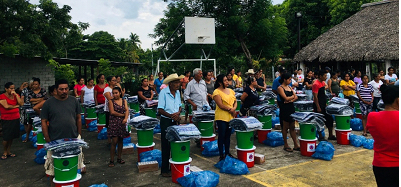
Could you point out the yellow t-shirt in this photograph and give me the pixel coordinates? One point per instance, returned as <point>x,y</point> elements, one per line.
<point>228,100</point>
<point>349,83</point>
<point>235,77</point>
<point>240,82</point>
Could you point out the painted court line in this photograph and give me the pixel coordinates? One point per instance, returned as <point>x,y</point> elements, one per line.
<point>252,178</point>
<point>211,161</point>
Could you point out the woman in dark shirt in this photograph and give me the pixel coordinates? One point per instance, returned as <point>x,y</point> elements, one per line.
<point>231,82</point>
<point>261,85</point>
<point>308,82</point>
<point>144,93</point>
<point>250,96</point>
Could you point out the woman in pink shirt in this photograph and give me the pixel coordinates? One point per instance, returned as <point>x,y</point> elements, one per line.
<point>78,87</point>
<point>384,128</point>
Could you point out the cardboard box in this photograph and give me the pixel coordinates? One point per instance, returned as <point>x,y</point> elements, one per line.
<point>259,158</point>
<point>148,166</point>
<point>128,150</point>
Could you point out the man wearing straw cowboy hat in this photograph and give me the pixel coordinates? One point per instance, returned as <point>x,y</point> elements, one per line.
<point>169,107</point>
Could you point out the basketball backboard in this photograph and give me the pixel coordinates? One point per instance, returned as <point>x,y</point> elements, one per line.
<point>199,30</point>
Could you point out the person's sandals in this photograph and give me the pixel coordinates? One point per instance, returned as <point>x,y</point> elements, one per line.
<point>296,149</point>
<point>364,134</point>
<point>111,164</point>
<point>287,149</point>
<point>24,141</point>
<point>83,170</point>
<point>322,139</point>
<point>230,155</point>
<point>120,161</point>
<point>3,157</point>
<point>332,138</point>
<point>12,155</point>
<point>221,158</point>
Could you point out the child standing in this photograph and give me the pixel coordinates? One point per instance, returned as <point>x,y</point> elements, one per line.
<point>117,126</point>
<point>365,94</point>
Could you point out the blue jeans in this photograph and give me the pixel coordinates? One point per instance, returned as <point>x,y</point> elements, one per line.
<point>224,132</point>
<point>309,94</point>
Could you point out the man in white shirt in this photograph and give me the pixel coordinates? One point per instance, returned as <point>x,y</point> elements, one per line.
<point>196,91</point>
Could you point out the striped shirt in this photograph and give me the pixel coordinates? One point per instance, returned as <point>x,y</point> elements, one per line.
<point>365,93</point>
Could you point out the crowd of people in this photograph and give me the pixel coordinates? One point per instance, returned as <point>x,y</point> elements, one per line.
<point>60,113</point>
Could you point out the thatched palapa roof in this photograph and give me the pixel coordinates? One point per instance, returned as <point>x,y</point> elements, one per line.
<point>369,35</point>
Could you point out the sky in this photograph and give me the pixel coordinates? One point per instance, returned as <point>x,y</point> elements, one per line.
<point>119,17</point>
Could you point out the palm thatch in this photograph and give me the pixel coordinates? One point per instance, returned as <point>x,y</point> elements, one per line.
<point>369,35</point>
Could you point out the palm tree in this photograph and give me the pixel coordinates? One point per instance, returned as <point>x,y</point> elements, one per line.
<point>134,39</point>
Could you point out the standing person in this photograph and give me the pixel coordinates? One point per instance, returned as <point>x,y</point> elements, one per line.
<point>144,94</point>
<point>158,82</point>
<point>239,80</point>
<point>196,92</point>
<point>61,118</point>
<point>78,87</point>
<point>231,81</point>
<point>348,86</point>
<point>119,111</point>
<point>358,78</point>
<point>352,74</point>
<point>249,73</point>
<point>390,78</point>
<point>376,83</point>
<point>334,85</point>
<point>108,96</point>
<point>184,81</point>
<point>365,95</point>
<point>24,97</point>
<point>382,75</point>
<point>384,128</point>
<point>300,79</point>
<point>10,102</point>
<point>99,89</point>
<point>209,85</point>
<point>119,84</point>
<point>37,97</point>
<point>288,96</point>
<point>233,75</point>
<point>169,107</point>
<point>327,69</point>
<point>225,111</point>
<point>261,82</point>
<point>249,97</point>
<point>262,75</point>
<point>151,81</point>
<point>319,103</point>
<point>276,84</point>
<point>87,92</point>
<point>308,81</point>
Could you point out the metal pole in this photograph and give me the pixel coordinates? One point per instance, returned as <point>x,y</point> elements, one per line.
<point>152,57</point>
<point>201,63</point>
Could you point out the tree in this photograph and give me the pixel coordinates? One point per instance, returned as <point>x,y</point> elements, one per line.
<point>248,29</point>
<point>63,71</point>
<point>32,30</point>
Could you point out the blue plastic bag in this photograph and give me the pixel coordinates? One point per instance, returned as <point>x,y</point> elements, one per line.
<point>323,134</point>
<point>356,124</point>
<point>273,143</point>
<point>356,140</point>
<point>83,122</point>
<point>153,155</point>
<point>157,129</point>
<point>40,156</point>
<point>92,126</point>
<point>34,140</point>
<point>29,138</point>
<point>323,156</point>
<point>324,150</point>
<point>232,166</point>
<point>275,136</point>
<point>127,140</point>
<point>102,135</point>
<point>21,127</point>
<point>278,112</point>
<point>368,144</point>
<point>98,185</point>
<point>200,179</point>
<point>275,121</point>
<point>325,147</point>
<point>211,149</point>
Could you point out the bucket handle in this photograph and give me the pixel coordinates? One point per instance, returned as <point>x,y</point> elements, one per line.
<point>207,128</point>
<point>178,170</point>
<point>64,170</point>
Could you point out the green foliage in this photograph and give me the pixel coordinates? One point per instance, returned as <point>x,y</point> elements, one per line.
<point>32,30</point>
<point>106,68</point>
<point>249,30</point>
<point>63,71</point>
